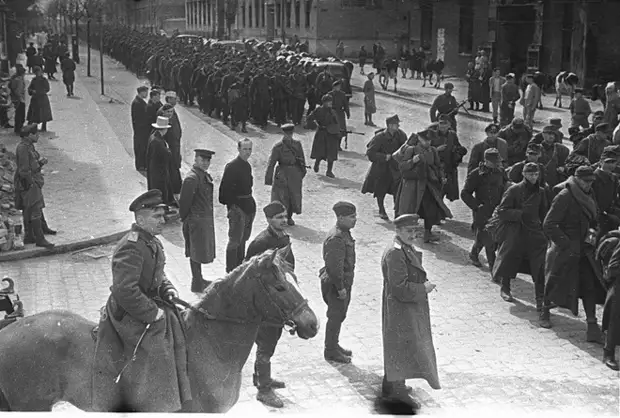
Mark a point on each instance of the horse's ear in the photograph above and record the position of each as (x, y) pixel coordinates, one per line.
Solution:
(285, 251)
(273, 256)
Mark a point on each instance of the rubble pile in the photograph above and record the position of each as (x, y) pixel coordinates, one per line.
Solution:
(9, 216)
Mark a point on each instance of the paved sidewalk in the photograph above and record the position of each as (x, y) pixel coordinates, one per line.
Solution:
(90, 178)
(409, 89)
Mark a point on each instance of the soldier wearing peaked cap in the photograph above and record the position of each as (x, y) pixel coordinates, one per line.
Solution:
(140, 295)
(274, 237)
(408, 349)
(287, 182)
(383, 176)
(533, 154)
(337, 279)
(482, 193)
(491, 141)
(196, 213)
(445, 104)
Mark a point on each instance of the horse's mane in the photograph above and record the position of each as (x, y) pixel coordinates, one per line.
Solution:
(243, 272)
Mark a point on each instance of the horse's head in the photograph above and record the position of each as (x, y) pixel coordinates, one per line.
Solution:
(279, 298)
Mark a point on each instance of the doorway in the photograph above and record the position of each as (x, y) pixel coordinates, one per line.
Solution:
(515, 32)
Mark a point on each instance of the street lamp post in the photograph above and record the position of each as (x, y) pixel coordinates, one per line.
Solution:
(101, 53)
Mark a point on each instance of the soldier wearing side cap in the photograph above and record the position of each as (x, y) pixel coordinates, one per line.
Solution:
(445, 104)
(274, 237)
(482, 192)
(340, 105)
(384, 177)
(196, 213)
(571, 270)
(520, 234)
(337, 279)
(140, 296)
(592, 146)
(287, 183)
(408, 350)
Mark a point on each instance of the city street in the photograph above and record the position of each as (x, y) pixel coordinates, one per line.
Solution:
(491, 354)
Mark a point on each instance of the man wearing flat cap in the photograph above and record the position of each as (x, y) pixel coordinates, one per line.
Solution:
(445, 104)
(138, 312)
(592, 146)
(28, 183)
(532, 155)
(482, 192)
(571, 271)
(327, 137)
(196, 213)
(408, 350)
(340, 104)
(337, 279)
(553, 157)
(272, 238)
(384, 177)
(491, 141)
(520, 234)
(287, 183)
(517, 135)
(510, 96)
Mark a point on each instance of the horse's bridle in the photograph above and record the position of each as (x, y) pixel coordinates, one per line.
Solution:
(287, 318)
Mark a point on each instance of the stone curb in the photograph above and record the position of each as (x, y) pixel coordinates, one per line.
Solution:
(61, 248)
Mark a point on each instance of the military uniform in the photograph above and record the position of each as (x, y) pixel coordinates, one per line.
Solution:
(340, 105)
(444, 105)
(336, 275)
(139, 291)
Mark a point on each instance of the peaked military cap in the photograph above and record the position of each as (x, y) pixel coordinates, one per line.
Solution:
(531, 168)
(601, 127)
(288, 127)
(171, 94)
(549, 129)
(491, 126)
(585, 172)
(556, 122)
(510, 75)
(448, 86)
(336, 83)
(491, 154)
(204, 153)
(534, 147)
(273, 209)
(392, 119)
(598, 113)
(344, 208)
(148, 200)
(578, 90)
(28, 130)
(409, 219)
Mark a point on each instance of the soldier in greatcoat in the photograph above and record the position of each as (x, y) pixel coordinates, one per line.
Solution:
(286, 184)
(383, 176)
(408, 350)
(510, 96)
(196, 213)
(482, 193)
(445, 104)
(517, 135)
(553, 157)
(451, 154)
(139, 319)
(327, 137)
(274, 237)
(141, 127)
(520, 236)
(571, 270)
(592, 146)
(340, 105)
(611, 310)
(337, 279)
(476, 156)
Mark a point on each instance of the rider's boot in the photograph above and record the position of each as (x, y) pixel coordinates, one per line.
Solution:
(266, 386)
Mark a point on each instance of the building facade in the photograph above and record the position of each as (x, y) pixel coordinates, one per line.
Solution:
(151, 15)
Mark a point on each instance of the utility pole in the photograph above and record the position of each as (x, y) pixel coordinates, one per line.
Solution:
(101, 52)
(88, 46)
(282, 20)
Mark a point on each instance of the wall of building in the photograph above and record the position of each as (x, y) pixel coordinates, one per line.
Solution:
(552, 45)
(144, 11)
(603, 19)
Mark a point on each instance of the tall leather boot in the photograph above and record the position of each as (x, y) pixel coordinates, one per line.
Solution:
(593, 333)
(39, 238)
(231, 259)
(332, 351)
(28, 235)
(46, 229)
(265, 393)
(505, 290)
(474, 255)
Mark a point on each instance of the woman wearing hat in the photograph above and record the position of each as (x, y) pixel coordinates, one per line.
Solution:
(159, 161)
(39, 110)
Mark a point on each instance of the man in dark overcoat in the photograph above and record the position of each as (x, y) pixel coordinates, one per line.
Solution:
(605, 191)
(451, 154)
(153, 105)
(482, 192)
(340, 105)
(139, 319)
(173, 138)
(553, 157)
(272, 238)
(260, 98)
(327, 136)
(236, 193)
(383, 176)
(67, 66)
(408, 350)
(40, 110)
(196, 213)
(522, 243)
(445, 104)
(297, 101)
(517, 135)
(337, 279)
(510, 96)
(476, 156)
(611, 310)
(158, 160)
(571, 271)
(141, 127)
(592, 146)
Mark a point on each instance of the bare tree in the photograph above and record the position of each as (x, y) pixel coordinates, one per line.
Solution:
(92, 9)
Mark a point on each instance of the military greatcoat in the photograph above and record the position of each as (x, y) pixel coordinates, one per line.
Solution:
(408, 351)
(157, 381)
(286, 185)
(196, 213)
(383, 176)
(327, 136)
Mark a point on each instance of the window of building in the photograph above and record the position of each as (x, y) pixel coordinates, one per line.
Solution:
(262, 14)
(278, 17)
(288, 14)
(350, 4)
(250, 15)
(243, 16)
(204, 13)
(466, 27)
(297, 13)
(209, 13)
(257, 13)
(307, 14)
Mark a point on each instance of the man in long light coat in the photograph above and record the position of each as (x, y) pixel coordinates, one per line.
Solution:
(408, 351)
(196, 213)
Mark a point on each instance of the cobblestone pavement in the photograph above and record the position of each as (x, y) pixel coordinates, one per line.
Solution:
(412, 89)
(490, 354)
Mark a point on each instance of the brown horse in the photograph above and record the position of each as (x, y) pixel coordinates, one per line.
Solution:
(48, 357)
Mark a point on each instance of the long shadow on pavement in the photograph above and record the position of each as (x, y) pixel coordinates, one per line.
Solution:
(305, 234)
(340, 182)
(458, 227)
(447, 251)
(352, 155)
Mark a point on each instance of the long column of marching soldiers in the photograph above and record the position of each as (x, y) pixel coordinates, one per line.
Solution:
(235, 86)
